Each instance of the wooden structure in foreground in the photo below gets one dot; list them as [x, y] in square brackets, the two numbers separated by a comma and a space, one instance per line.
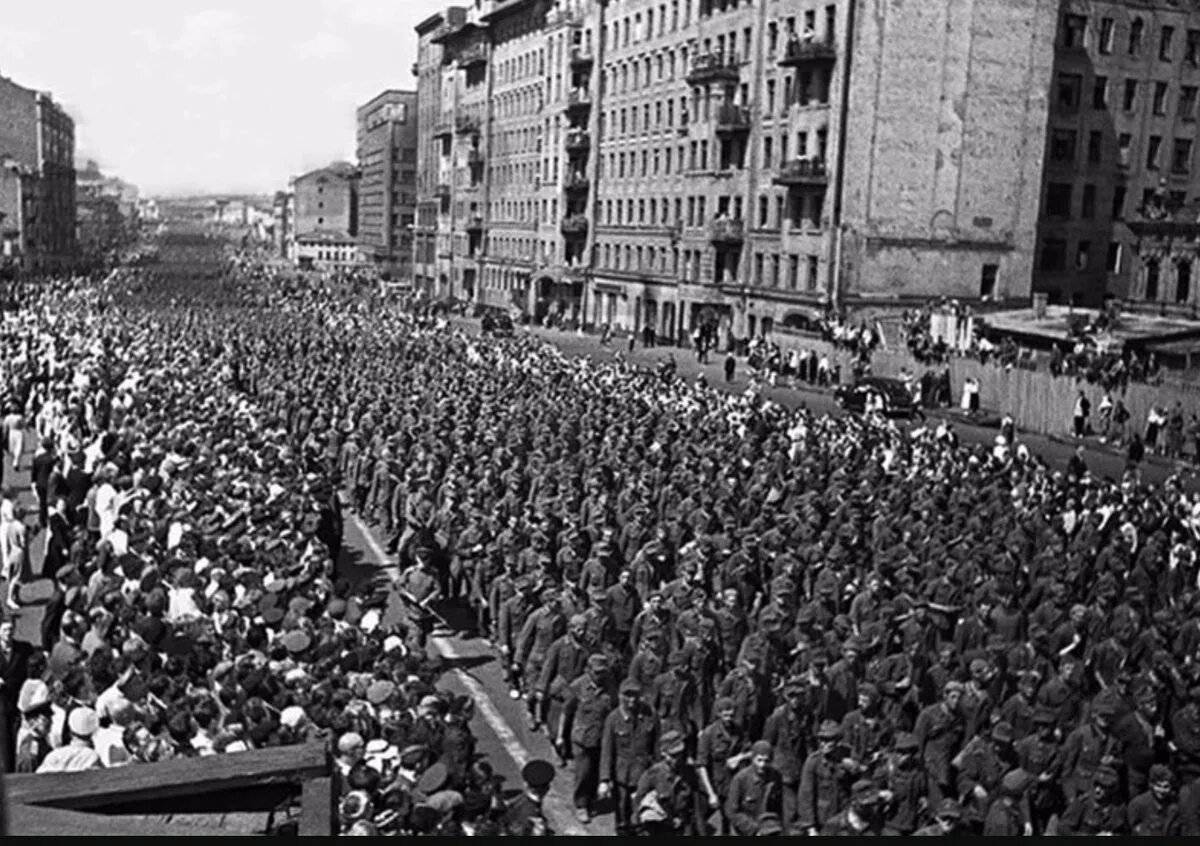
[92, 802]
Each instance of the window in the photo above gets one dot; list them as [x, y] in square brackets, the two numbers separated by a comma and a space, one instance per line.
[1107, 28]
[1095, 147]
[1187, 103]
[1181, 156]
[1054, 254]
[1152, 279]
[1183, 280]
[764, 212]
[1165, 36]
[813, 270]
[1074, 28]
[1160, 98]
[1153, 146]
[1124, 149]
[1191, 50]
[768, 143]
[770, 95]
[1118, 203]
[987, 280]
[1069, 87]
[1083, 255]
[1087, 209]
[793, 272]
[1058, 199]
[1100, 93]
[1114, 257]
[1130, 98]
[758, 268]
[1062, 145]
[1136, 30]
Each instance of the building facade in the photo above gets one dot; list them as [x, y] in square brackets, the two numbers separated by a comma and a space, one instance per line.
[38, 138]
[325, 217]
[431, 256]
[735, 165]
[387, 192]
[1121, 155]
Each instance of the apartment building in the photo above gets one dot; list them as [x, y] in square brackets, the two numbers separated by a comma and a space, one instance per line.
[430, 264]
[682, 163]
[1121, 156]
[387, 159]
[325, 217]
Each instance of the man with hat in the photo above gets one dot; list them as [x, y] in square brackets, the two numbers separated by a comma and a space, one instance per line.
[906, 782]
[1155, 812]
[508, 628]
[1099, 812]
[667, 792]
[1089, 747]
[420, 587]
[1041, 755]
[79, 754]
[627, 748]
[541, 628]
[33, 735]
[1006, 816]
[939, 731]
[566, 660]
[864, 816]
[721, 749]
[524, 815]
[980, 767]
[580, 733]
[756, 790]
[824, 780]
[787, 730]
[945, 820]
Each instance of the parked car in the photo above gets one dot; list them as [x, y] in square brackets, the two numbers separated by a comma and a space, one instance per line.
[497, 324]
[897, 399]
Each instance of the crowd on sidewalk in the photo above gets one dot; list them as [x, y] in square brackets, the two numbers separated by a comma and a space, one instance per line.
[728, 617]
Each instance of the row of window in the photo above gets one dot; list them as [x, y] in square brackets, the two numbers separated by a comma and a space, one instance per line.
[1060, 201]
[1064, 148]
[1055, 254]
[1110, 36]
[1069, 95]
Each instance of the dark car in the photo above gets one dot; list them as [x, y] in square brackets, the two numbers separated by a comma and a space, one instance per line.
[496, 324]
[897, 399]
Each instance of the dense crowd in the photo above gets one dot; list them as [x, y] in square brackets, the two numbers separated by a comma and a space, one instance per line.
[729, 618]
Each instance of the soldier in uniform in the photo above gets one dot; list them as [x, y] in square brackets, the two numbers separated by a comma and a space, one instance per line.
[421, 587]
[1155, 812]
[787, 730]
[863, 817]
[565, 661]
[627, 749]
[1041, 755]
[524, 816]
[675, 698]
[512, 615]
[589, 701]
[721, 749]
[1099, 811]
[1089, 747]
[906, 782]
[945, 821]
[824, 780]
[980, 766]
[1006, 816]
[939, 731]
[667, 797]
[544, 626]
[755, 790]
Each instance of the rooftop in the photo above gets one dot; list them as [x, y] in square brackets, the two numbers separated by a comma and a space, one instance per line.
[1131, 327]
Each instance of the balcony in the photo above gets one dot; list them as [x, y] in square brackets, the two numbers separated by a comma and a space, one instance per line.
[712, 67]
[579, 100]
[578, 141]
[474, 224]
[576, 182]
[443, 129]
[798, 53]
[442, 191]
[728, 230]
[575, 224]
[476, 54]
[466, 125]
[581, 58]
[732, 120]
[802, 172]
[474, 158]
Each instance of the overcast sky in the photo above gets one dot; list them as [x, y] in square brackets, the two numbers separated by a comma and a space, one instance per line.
[212, 95]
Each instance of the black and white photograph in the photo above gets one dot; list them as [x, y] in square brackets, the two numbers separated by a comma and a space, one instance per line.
[599, 418]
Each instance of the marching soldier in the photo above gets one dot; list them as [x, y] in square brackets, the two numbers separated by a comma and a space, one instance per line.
[580, 735]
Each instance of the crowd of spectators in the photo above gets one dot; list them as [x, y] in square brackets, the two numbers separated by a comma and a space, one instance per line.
[728, 617]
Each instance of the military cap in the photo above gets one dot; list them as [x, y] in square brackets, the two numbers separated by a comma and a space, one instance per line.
[762, 747]
[1161, 774]
[1017, 781]
[829, 730]
[630, 686]
[1002, 732]
[538, 773]
[672, 742]
[906, 742]
[1106, 776]
[768, 824]
[1044, 716]
[413, 754]
[597, 663]
[948, 809]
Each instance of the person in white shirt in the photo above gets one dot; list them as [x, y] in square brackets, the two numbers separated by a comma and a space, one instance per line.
[79, 754]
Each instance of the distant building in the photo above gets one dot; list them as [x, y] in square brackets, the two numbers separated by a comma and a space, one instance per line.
[107, 212]
[37, 143]
[282, 228]
[387, 190]
[326, 217]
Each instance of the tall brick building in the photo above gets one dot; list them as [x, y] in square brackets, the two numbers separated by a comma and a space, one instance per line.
[671, 163]
[387, 189]
[1121, 156]
[37, 149]
[325, 217]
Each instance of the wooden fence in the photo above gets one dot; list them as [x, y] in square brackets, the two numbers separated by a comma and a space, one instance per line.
[1039, 401]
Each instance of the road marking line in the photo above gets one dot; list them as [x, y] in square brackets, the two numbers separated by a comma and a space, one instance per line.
[559, 811]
